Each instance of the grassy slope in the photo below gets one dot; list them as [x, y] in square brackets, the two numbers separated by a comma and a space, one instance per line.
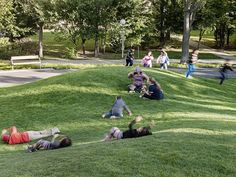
[194, 136]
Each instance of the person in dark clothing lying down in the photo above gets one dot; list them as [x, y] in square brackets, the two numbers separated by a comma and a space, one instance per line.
[130, 133]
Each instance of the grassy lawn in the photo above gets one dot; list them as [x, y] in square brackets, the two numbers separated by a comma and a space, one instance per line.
[194, 134]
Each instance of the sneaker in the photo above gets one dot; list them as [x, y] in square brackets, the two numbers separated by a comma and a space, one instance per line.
[113, 117]
[131, 91]
[55, 130]
[104, 115]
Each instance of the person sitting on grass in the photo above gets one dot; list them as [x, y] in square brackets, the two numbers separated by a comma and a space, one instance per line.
[138, 80]
[223, 71]
[117, 109]
[154, 91]
[12, 136]
[130, 133]
[58, 141]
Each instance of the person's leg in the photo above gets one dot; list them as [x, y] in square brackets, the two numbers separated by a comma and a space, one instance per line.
[107, 115]
[161, 65]
[33, 135]
[131, 62]
[131, 88]
[189, 70]
[165, 66]
[114, 133]
[147, 96]
[127, 62]
[222, 77]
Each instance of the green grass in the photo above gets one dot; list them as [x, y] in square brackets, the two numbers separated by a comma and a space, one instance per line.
[194, 134]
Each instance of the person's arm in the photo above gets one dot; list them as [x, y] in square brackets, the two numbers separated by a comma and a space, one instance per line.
[133, 122]
[127, 109]
[13, 130]
[130, 75]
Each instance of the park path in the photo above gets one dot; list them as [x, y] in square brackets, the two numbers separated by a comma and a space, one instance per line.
[20, 77]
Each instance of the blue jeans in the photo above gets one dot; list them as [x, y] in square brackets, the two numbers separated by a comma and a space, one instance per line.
[109, 114]
[191, 69]
[222, 78]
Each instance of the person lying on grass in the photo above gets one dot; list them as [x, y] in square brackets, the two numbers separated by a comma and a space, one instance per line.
[117, 109]
[138, 80]
[58, 141]
[12, 136]
[131, 132]
[154, 91]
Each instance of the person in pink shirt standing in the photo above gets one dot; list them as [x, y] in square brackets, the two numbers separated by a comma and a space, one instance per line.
[147, 60]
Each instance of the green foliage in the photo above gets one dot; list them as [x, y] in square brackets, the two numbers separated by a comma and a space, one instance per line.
[194, 133]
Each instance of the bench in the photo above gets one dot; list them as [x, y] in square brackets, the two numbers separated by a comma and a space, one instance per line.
[25, 60]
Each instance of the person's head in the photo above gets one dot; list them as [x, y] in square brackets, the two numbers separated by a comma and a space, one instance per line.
[65, 142]
[195, 51]
[150, 53]
[152, 81]
[118, 97]
[137, 70]
[144, 131]
[5, 138]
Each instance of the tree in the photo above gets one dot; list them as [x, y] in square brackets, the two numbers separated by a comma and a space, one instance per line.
[190, 9]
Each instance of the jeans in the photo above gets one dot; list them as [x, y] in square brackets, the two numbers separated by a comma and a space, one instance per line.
[129, 62]
[222, 77]
[191, 69]
[109, 114]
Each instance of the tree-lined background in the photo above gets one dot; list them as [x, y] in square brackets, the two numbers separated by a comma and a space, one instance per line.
[150, 24]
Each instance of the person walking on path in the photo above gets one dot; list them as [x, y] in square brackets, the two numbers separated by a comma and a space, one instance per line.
[223, 71]
[164, 60]
[130, 57]
[117, 109]
[191, 63]
[130, 133]
[147, 60]
[58, 141]
[12, 136]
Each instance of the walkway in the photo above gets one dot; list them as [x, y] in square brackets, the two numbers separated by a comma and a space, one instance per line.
[19, 77]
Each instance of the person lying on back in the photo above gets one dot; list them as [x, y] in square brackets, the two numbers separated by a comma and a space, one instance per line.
[131, 132]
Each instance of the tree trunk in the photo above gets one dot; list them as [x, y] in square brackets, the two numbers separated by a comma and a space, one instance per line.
[96, 45]
[162, 32]
[228, 36]
[83, 45]
[186, 33]
[41, 40]
[201, 33]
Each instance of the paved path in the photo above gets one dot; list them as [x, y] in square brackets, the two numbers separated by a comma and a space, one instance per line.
[205, 72]
[219, 53]
[19, 77]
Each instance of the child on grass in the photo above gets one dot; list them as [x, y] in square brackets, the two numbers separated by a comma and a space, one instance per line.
[58, 141]
[130, 133]
[138, 80]
[12, 136]
[154, 91]
[117, 109]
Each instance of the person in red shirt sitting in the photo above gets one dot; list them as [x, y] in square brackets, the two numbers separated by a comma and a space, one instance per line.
[11, 136]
